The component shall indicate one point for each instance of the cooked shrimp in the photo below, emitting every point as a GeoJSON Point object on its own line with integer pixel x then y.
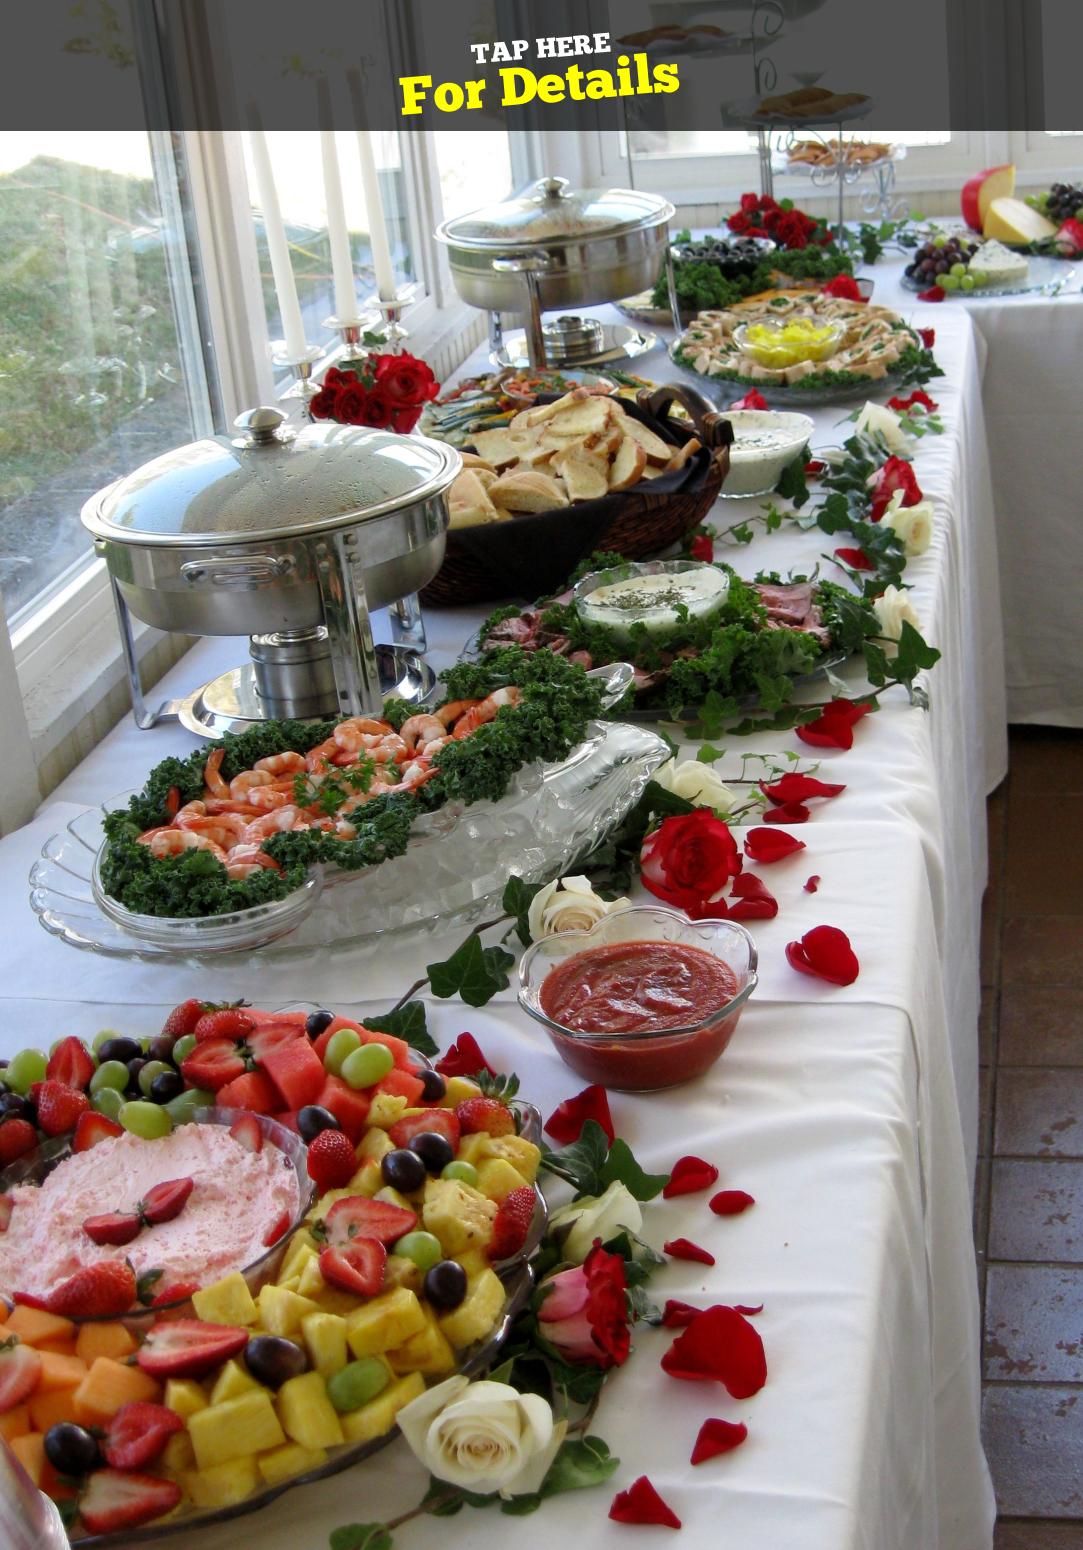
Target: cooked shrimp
{"type": "Point", "coordinates": [352, 732]}
{"type": "Point", "coordinates": [212, 777]}
{"type": "Point", "coordinates": [266, 798]}
{"type": "Point", "coordinates": [318, 759]}
{"type": "Point", "coordinates": [189, 810]}
{"type": "Point", "coordinates": [486, 710]}
{"type": "Point", "coordinates": [248, 780]}
{"type": "Point", "coordinates": [280, 763]}
{"type": "Point", "coordinates": [450, 712]}
{"type": "Point", "coordinates": [245, 859]}
{"type": "Point", "coordinates": [276, 822]}
{"type": "Point", "coordinates": [217, 805]}
{"type": "Point", "coordinates": [224, 829]}
{"type": "Point", "coordinates": [419, 730]}
{"type": "Point", "coordinates": [416, 773]}
{"type": "Point", "coordinates": [387, 748]}
{"type": "Point", "coordinates": [171, 842]}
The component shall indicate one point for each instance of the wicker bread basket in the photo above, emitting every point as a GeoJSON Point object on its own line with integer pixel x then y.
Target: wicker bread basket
{"type": "Point", "coordinates": [531, 555]}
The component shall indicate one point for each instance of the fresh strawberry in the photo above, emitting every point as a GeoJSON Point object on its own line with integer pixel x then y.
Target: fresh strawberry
{"type": "Point", "coordinates": [114, 1227]}
{"type": "Point", "coordinates": [442, 1121]}
{"type": "Point", "coordinates": [187, 1348]}
{"type": "Point", "coordinates": [512, 1223]}
{"type": "Point", "coordinates": [356, 1217]}
{"type": "Point", "coordinates": [20, 1367]}
{"type": "Point", "coordinates": [59, 1107]}
{"type": "Point", "coordinates": [357, 1267]}
{"type": "Point", "coordinates": [278, 1228]}
{"type": "Point", "coordinates": [92, 1128]}
{"type": "Point", "coordinates": [105, 1289]}
{"type": "Point", "coordinates": [165, 1201]}
{"type": "Point", "coordinates": [487, 1114]}
{"type": "Point", "coordinates": [213, 1064]}
{"type": "Point", "coordinates": [246, 1131]}
{"type": "Point", "coordinates": [182, 1019]}
{"type": "Point", "coordinates": [71, 1063]}
{"type": "Point", "coordinates": [7, 1206]}
{"type": "Point", "coordinates": [116, 1499]}
{"type": "Point", "coordinates": [16, 1137]}
{"type": "Point", "coordinates": [332, 1161]}
{"type": "Point", "coordinates": [176, 1292]}
{"type": "Point", "coordinates": [223, 1023]}
{"type": "Point", "coordinates": [137, 1433]}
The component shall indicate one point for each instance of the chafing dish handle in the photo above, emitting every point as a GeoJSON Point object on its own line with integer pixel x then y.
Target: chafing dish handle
{"type": "Point", "coordinates": [529, 266]}
{"type": "Point", "coordinates": [239, 571]}
{"type": "Point", "coordinates": [349, 629]}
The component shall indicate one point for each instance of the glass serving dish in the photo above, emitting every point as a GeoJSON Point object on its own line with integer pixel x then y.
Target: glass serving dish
{"type": "Point", "coordinates": [764, 442]}
{"type": "Point", "coordinates": [778, 342]}
{"type": "Point", "coordinates": [660, 617]}
{"type": "Point", "coordinates": [643, 1061]}
{"type": "Point", "coordinates": [723, 387]}
{"type": "Point", "coordinates": [1045, 276]}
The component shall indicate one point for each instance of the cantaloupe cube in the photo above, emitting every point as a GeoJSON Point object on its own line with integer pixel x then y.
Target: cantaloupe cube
{"type": "Point", "coordinates": [29, 1449]}
{"type": "Point", "coordinates": [385, 1322]}
{"type": "Point", "coordinates": [281, 1311]}
{"type": "Point", "coordinates": [477, 1313]}
{"type": "Point", "coordinates": [227, 1301]}
{"type": "Point", "coordinates": [184, 1396]}
{"type": "Point", "coordinates": [60, 1372]}
{"type": "Point", "coordinates": [428, 1351]}
{"type": "Point", "coordinates": [107, 1386]}
{"type": "Point", "coordinates": [236, 1427]}
{"type": "Point", "coordinates": [306, 1413]}
{"type": "Point", "coordinates": [46, 1409]}
{"type": "Point", "coordinates": [15, 1422]}
{"type": "Point", "coordinates": [378, 1416]}
{"type": "Point", "coordinates": [288, 1460]}
{"type": "Point", "coordinates": [222, 1484]}
{"type": "Point", "coordinates": [57, 1347]}
{"type": "Point", "coordinates": [232, 1379]}
{"type": "Point", "coordinates": [95, 1340]}
{"type": "Point", "coordinates": [33, 1325]}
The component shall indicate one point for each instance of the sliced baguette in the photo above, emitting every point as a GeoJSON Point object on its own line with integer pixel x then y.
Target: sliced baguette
{"type": "Point", "coordinates": [468, 501]}
{"type": "Point", "coordinates": [657, 450]}
{"type": "Point", "coordinates": [583, 479]}
{"type": "Point", "coordinates": [528, 491]}
{"type": "Point", "coordinates": [628, 465]}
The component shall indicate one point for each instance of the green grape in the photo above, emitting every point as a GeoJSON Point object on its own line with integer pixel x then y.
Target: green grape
{"type": "Point", "coordinates": [183, 1048]}
{"type": "Point", "coordinates": [108, 1101]}
{"type": "Point", "coordinates": [423, 1248]}
{"type": "Point", "coordinates": [339, 1045]}
{"type": "Point", "coordinates": [979, 276]}
{"type": "Point", "coordinates": [368, 1065]}
{"type": "Point", "coordinates": [940, 241]}
{"type": "Point", "coordinates": [24, 1069]}
{"type": "Point", "coordinates": [150, 1121]}
{"type": "Point", "coordinates": [148, 1072]}
{"type": "Point", "coordinates": [183, 1107]}
{"type": "Point", "coordinates": [100, 1038]}
{"type": "Point", "coordinates": [465, 1172]}
{"type": "Point", "coordinates": [958, 269]}
{"type": "Point", "coordinates": [111, 1073]}
{"type": "Point", "coordinates": [356, 1383]}
{"type": "Point", "coordinates": [950, 282]}
{"type": "Point", "coordinates": [967, 282]}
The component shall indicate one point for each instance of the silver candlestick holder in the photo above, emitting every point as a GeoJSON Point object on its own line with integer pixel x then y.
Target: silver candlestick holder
{"type": "Point", "coordinates": [390, 312]}
{"type": "Point", "coordinates": [351, 331]}
{"type": "Point", "coordinates": [304, 388]}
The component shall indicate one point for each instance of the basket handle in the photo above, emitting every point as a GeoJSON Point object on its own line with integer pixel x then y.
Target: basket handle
{"type": "Point", "coordinates": [712, 428]}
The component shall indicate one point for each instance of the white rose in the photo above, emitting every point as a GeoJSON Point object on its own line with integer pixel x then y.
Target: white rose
{"type": "Point", "coordinates": [696, 783]}
{"type": "Point", "coordinates": [602, 1216]}
{"type": "Point", "coordinates": [893, 610]}
{"type": "Point", "coordinates": [913, 524]}
{"type": "Point", "coordinates": [483, 1436]}
{"type": "Point", "coordinates": [878, 418]}
{"type": "Point", "coordinates": [568, 904]}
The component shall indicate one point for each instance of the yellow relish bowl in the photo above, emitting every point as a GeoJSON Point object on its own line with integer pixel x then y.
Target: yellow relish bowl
{"type": "Point", "coordinates": [779, 343]}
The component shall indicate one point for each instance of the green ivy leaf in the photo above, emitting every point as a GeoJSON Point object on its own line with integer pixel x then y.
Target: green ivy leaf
{"type": "Point", "coordinates": [517, 899]}
{"type": "Point", "coordinates": [472, 972]}
{"type": "Point", "coordinates": [582, 1162]}
{"type": "Point", "coordinates": [579, 1465]}
{"type": "Point", "coordinates": [622, 1165]}
{"type": "Point", "coordinates": [361, 1536]}
{"type": "Point", "coordinates": [792, 485]}
{"type": "Point", "coordinates": [709, 754]}
{"type": "Point", "coordinates": [407, 1022]}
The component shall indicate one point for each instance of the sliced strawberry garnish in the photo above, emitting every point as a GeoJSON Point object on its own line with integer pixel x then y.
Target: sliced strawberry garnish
{"type": "Point", "coordinates": [113, 1227]}
{"type": "Point", "coordinates": [59, 1107]}
{"type": "Point", "coordinates": [137, 1433]}
{"type": "Point", "coordinates": [332, 1161]}
{"type": "Point", "coordinates": [17, 1137]}
{"type": "Point", "coordinates": [223, 1023]}
{"type": "Point", "coordinates": [356, 1267]}
{"type": "Point", "coordinates": [165, 1201]}
{"type": "Point", "coordinates": [512, 1223]}
{"type": "Point", "coordinates": [20, 1368]}
{"type": "Point", "coordinates": [185, 1348]}
{"type": "Point", "coordinates": [442, 1121]}
{"type": "Point", "coordinates": [103, 1289]}
{"type": "Point", "coordinates": [92, 1128]}
{"type": "Point", "coordinates": [356, 1217]}
{"type": "Point", "coordinates": [176, 1292]}
{"type": "Point", "coordinates": [246, 1131]}
{"type": "Point", "coordinates": [182, 1019]}
{"type": "Point", "coordinates": [278, 1228]}
{"type": "Point", "coordinates": [7, 1206]}
{"type": "Point", "coordinates": [71, 1063]}
{"type": "Point", "coordinates": [213, 1064]}
{"type": "Point", "coordinates": [485, 1114]}
{"type": "Point", "coordinates": [115, 1499]}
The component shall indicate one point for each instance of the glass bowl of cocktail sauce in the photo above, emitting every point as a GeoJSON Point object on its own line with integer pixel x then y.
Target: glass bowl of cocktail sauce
{"type": "Point", "coordinates": [646, 998]}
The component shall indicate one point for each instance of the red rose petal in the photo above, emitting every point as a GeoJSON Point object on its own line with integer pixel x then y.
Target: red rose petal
{"type": "Point", "coordinates": [934, 293]}
{"type": "Point", "coordinates": [788, 812]}
{"type": "Point", "coordinates": [894, 474]}
{"type": "Point", "coordinates": [834, 727]}
{"type": "Point", "coordinates": [464, 1058]}
{"type": "Point", "coordinates": [641, 1503]}
{"type": "Point", "coordinates": [768, 845]}
{"type": "Point", "coordinates": [826, 954]}
{"type": "Point", "coordinates": [756, 902]}
{"type": "Point", "coordinates": [918, 396]}
{"type": "Point", "coordinates": [689, 1175]}
{"type": "Point", "coordinates": [716, 1437]}
{"type": "Point", "coordinates": [730, 1202]}
{"type": "Point", "coordinates": [566, 1122]}
{"type": "Point", "coordinates": [815, 467]}
{"type": "Point", "coordinates": [678, 1315]}
{"type": "Point", "coordinates": [684, 1248]}
{"type": "Point", "coordinates": [751, 400]}
{"type": "Point", "coordinates": [856, 559]}
{"type": "Point", "coordinates": [719, 1346]}
{"type": "Point", "coordinates": [812, 883]}
{"type": "Point", "coordinates": [741, 1307]}
{"type": "Point", "coordinates": [799, 788]}
{"type": "Point", "coordinates": [927, 336]}
{"type": "Point", "coordinates": [843, 285]}
{"type": "Point", "coordinates": [702, 548]}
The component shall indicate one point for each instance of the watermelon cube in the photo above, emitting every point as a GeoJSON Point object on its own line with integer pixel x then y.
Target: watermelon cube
{"type": "Point", "coordinates": [296, 1070]}
{"type": "Point", "coordinates": [268, 1019]}
{"type": "Point", "coordinates": [288, 1119]}
{"type": "Point", "coordinates": [253, 1091]}
{"type": "Point", "coordinates": [399, 1048]}
{"type": "Point", "coordinates": [402, 1084]}
{"type": "Point", "coordinates": [324, 1039]}
{"type": "Point", "coordinates": [350, 1107]}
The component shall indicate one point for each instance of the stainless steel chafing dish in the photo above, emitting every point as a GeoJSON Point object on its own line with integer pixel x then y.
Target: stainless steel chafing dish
{"type": "Point", "coordinates": [557, 247]}
{"type": "Point", "coordinates": [290, 534]}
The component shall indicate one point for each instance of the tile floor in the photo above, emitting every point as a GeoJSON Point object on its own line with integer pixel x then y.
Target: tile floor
{"type": "Point", "coordinates": [1028, 1216]}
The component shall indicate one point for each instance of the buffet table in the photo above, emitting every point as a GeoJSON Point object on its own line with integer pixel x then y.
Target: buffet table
{"type": "Point", "coordinates": [849, 1114]}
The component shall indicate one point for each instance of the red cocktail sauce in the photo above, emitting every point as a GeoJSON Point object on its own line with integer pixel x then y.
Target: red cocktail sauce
{"type": "Point", "coordinates": [638, 992]}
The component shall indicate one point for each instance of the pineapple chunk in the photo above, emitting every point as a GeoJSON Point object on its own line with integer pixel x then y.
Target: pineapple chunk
{"type": "Point", "coordinates": [474, 1148]}
{"type": "Point", "coordinates": [386, 1109]}
{"type": "Point", "coordinates": [368, 1178]}
{"type": "Point", "coordinates": [477, 1313]}
{"type": "Point", "coordinates": [324, 1335]}
{"type": "Point", "coordinates": [428, 1351]}
{"type": "Point", "coordinates": [290, 1283]}
{"type": "Point", "coordinates": [236, 1427]}
{"type": "Point", "coordinates": [375, 1143]}
{"type": "Point", "coordinates": [184, 1396]}
{"type": "Point", "coordinates": [523, 1155]}
{"type": "Point", "coordinates": [178, 1454]}
{"type": "Point", "coordinates": [232, 1379]}
{"type": "Point", "coordinates": [459, 1089]}
{"type": "Point", "coordinates": [385, 1322]}
{"type": "Point", "coordinates": [324, 1204]}
{"type": "Point", "coordinates": [306, 1413]}
{"type": "Point", "coordinates": [222, 1484]}
{"type": "Point", "coordinates": [227, 1301]}
{"type": "Point", "coordinates": [378, 1416]}
{"type": "Point", "coordinates": [497, 1178]}
{"type": "Point", "coordinates": [475, 1263]}
{"type": "Point", "coordinates": [334, 1300]}
{"type": "Point", "coordinates": [393, 1198]}
{"type": "Point", "coordinates": [289, 1459]}
{"type": "Point", "coordinates": [302, 1246]}
{"type": "Point", "coordinates": [281, 1311]}
{"type": "Point", "coordinates": [401, 1271]}
{"type": "Point", "coordinates": [310, 1283]}
{"type": "Point", "coordinates": [461, 1217]}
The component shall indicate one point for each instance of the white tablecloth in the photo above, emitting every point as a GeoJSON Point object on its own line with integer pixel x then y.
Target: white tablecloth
{"type": "Point", "coordinates": [839, 1110]}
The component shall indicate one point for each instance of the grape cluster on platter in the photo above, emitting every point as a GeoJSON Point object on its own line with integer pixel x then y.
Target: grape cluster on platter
{"type": "Point", "coordinates": [945, 261]}
{"type": "Point", "coordinates": [1062, 202]}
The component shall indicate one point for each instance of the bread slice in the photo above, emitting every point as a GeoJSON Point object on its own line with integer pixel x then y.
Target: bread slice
{"type": "Point", "coordinates": [682, 455]}
{"type": "Point", "coordinates": [471, 460]}
{"type": "Point", "coordinates": [657, 450]}
{"type": "Point", "coordinates": [628, 465]}
{"type": "Point", "coordinates": [583, 479]}
{"type": "Point", "coordinates": [528, 491]}
{"type": "Point", "coordinates": [500, 447]}
{"type": "Point", "coordinates": [468, 502]}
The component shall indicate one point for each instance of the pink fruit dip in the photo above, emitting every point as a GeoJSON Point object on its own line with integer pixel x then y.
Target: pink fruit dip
{"type": "Point", "coordinates": [237, 1198]}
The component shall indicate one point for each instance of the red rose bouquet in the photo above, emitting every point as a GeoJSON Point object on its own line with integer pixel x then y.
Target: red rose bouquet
{"type": "Point", "coordinates": [384, 391]}
{"type": "Point", "coordinates": [762, 216]}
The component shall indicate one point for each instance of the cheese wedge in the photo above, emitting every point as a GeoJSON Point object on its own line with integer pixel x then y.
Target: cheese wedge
{"type": "Point", "coordinates": [1010, 220]}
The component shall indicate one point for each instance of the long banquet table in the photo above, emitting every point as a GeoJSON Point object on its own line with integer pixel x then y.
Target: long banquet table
{"type": "Point", "coordinates": [850, 1115]}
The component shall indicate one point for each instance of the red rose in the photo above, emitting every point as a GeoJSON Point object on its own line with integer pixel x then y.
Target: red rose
{"type": "Point", "coordinates": [792, 230]}
{"type": "Point", "coordinates": [895, 474]}
{"type": "Point", "coordinates": [405, 381]}
{"type": "Point", "coordinates": [585, 1311]}
{"type": "Point", "coordinates": [928, 337]}
{"type": "Point", "coordinates": [322, 407]}
{"type": "Point", "coordinates": [739, 223]}
{"type": "Point", "coordinates": [767, 203]}
{"type": "Point", "coordinates": [750, 203]}
{"type": "Point", "coordinates": [464, 1058]}
{"type": "Point", "coordinates": [843, 285]}
{"type": "Point", "coordinates": [688, 860]}
{"type": "Point", "coordinates": [404, 420]}
{"type": "Point", "coordinates": [751, 400]}
{"type": "Point", "coordinates": [333, 377]}
{"type": "Point", "coordinates": [351, 405]}
{"type": "Point", "coordinates": [702, 548]}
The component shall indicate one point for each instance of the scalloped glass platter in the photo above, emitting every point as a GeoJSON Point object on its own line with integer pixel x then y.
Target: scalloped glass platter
{"type": "Point", "coordinates": [790, 395]}
{"type": "Point", "coordinates": [1046, 276]}
{"type": "Point", "coordinates": [454, 868]}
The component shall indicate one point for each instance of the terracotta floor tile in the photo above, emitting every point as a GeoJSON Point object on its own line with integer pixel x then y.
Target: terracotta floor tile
{"type": "Point", "coordinates": [1042, 950]}
{"type": "Point", "coordinates": [1036, 1211]}
{"type": "Point", "coordinates": [1034, 1440]}
{"type": "Point", "coordinates": [1042, 870]}
{"type": "Point", "coordinates": [1027, 1534]}
{"type": "Point", "coordinates": [1046, 759]}
{"type": "Point", "coordinates": [1039, 1026]}
{"type": "Point", "coordinates": [1033, 1323]}
{"type": "Point", "coordinates": [1039, 1113]}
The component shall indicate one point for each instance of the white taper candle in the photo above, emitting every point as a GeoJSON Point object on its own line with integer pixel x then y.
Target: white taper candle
{"type": "Point", "coordinates": [381, 252]}
{"type": "Point", "coordinates": [292, 327]}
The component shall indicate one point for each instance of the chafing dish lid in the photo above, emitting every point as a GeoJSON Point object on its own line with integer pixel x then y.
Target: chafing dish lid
{"type": "Point", "coordinates": [273, 480]}
{"type": "Point", "coordinates": [550, 211]}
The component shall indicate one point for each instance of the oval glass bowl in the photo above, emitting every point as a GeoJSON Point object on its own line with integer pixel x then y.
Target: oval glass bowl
{"type": "Point", "coordinates": [756, 470]}
{"type": "Point", "coordinates": [230, 933]}
{"type": "Point", "coordinates": [657, 620]}
{"type": "Point", "coordinates": [777, 343]}
{"type": "Point", "coordinates": [643, 1062]}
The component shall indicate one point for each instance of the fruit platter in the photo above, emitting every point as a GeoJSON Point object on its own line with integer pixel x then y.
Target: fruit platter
{"type": "Point", "coordinates": [211, 1296]}
{"type": "Point", "coordinates": [956, 264]}
{"type": "Point", "coordinates": [1049, 222]}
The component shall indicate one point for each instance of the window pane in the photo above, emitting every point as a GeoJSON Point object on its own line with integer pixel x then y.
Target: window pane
{"type": "Point", "coordinates": [474, 166]}
{"type": "Point", "coordinates": [91, 382]}
{"type": "Point", "coordinates": [298, 173]}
